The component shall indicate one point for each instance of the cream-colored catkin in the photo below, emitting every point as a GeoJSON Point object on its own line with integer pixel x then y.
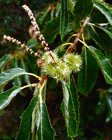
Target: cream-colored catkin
{"type": "Point", "coordinates": [35, 27]}
{"type": "Point", "coordinates": [23, 46]}
{"type": "Point", "coordinates": [31, 16]}
{"type": "Point", "coordinates": [36, 31]}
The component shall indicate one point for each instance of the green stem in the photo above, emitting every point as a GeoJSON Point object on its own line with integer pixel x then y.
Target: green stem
{"type": "Point", "coordinates": [83, 43]}
{"type": "Point", "coordinates": [31, 85]}
{"type": "Point", "coordinates": [38, 77]}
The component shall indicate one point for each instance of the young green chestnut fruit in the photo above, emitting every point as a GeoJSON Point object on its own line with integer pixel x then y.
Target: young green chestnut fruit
{"type": "Point", "coordinates": [74, 62]}
{"type": "Point", "coordinates": [60, 68]}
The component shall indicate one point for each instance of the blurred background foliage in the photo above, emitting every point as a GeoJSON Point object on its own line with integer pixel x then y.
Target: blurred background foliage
{"type": "Point", "coordinates": [96, 108]}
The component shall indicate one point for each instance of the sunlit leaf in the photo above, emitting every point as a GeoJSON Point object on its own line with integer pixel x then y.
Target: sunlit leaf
{"type": "Point", "coordinates": [44, 128]}
{"type": "Point", "coordinates": [105, 10]}
{"type": "Point", "coordinates": [10, 74]}
{"type": "Point", "coordinates": [7, 96]}
{"type": "Point", "coordinates": [70, 108]}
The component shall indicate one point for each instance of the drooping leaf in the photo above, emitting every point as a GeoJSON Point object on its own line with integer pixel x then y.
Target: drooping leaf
{"type": "Point", "coordinates": [70, 108]}
{"type": "Point", "coordinates": [63, 18]}
{"type": "Point", "coordinates": [10, 74]}
{"type": "Point", "coordinates": [25, 127]}
{"type": "Point", "coordinates": [4, 60]}
{"type": "Point", "coordinates": [7, 96]}
{"type": "Point", "coordinates": [83, 8]}
{"type": "Point", "coordinates": [44, 128]}
{"type": "Point", "coordinates": [105, 10]}
{"type": "Point", "coordinates": [88, 73]}
{"type": "Point", "coordinates": [103, 63]}
{"type": "Point", "coordinates": [103, 38]}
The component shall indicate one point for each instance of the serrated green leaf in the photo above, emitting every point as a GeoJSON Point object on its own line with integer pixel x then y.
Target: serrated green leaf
{"type": "Point", "coordinates": [10, 74]}
{"type": "Point", "coordinates": [103, 38]}
{"type": "Point", "coordinates": [44, 128]}
{"type": "Point", "coordinates": [88, 73]}
{"type": "Point", "coordinates": [105, 10]}
{"type": "Point", "coordinates": [45, 131]}
{"type": "Point", "coordinates": [63, 18]}
{"type": "Point", "coordinates": [25, 127]}
{"type": "Point", "coordinates": [74, 94]}
{"type": "Point", "coordinates": [83, 8]}
{"type": "Point", "coordinates": [4, 60]}
{"type": "Point", "coordinates": [103, 63]}
{"type": "Point", "coordinates": [70, 107]}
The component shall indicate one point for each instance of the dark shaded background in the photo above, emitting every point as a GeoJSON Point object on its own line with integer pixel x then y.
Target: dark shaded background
{"type": "Point", "coordinates": [94, 122]}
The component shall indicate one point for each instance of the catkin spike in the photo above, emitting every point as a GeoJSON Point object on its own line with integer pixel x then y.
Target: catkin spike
{"type": "Point", "coordinates": [23, 46]}
{"type": "Point", "coordinates": [31, 16]}
{"type": "Point", "coordinates": [35, 28]}
{"type": "Point", "coordinates": [36, 31]}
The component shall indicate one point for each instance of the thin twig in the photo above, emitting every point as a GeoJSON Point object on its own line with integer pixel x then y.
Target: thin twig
{"type": "Point", "coordinates": [71, 48]}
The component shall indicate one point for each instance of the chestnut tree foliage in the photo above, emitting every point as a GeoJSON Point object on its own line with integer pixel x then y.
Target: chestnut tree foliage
{"type": "Point", "coordinates": [68, 44]}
